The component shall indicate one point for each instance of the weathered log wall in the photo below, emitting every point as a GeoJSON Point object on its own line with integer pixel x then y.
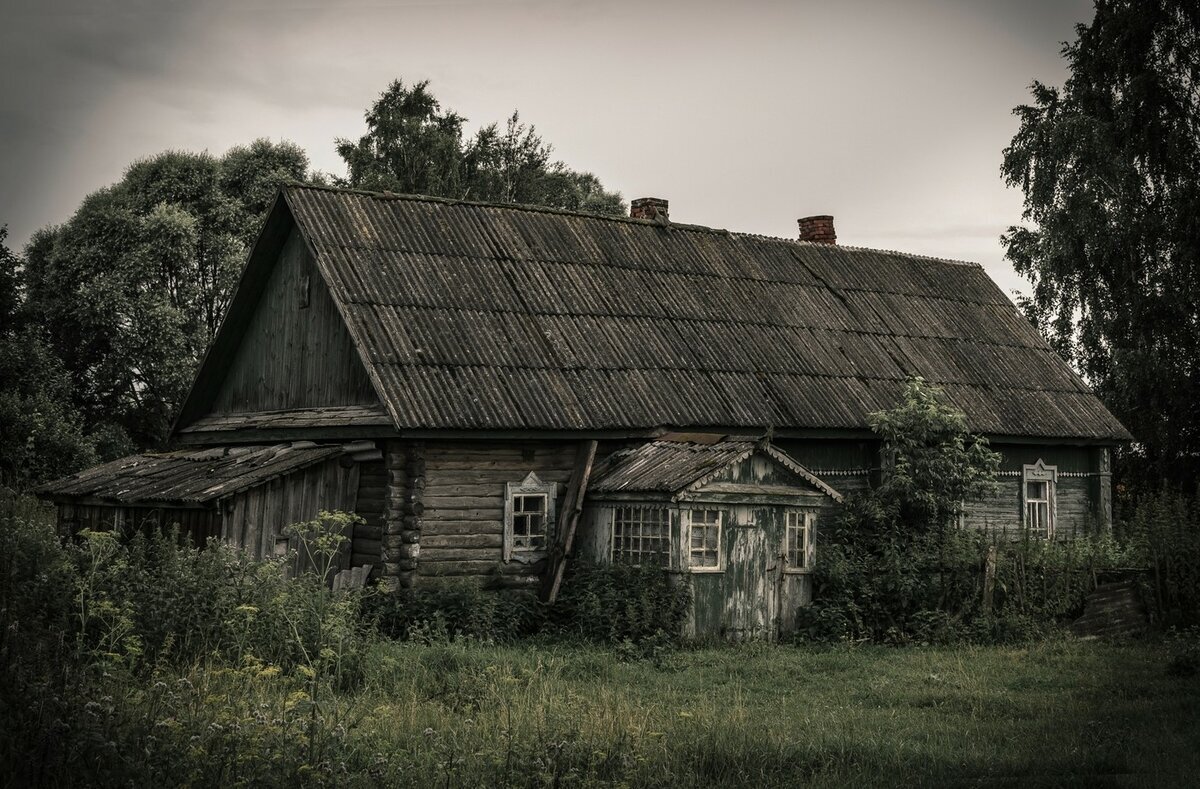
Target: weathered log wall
{"type": "Point", "coordinates": [445, 513]}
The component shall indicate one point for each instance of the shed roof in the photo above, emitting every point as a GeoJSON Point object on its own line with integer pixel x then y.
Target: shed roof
{"type": "Point", "coordinates": [677, 465]}
{"type": "Point", "coordinates": [472, 316]}
{"type": "Point", "coordinates": [187, 477]}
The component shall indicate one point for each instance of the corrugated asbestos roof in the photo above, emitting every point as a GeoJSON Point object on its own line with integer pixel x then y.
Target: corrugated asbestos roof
{"type": "Point", "coordinates": [191, 476]}
{"type": "Point", "coordinates": [677, 465]}
{"type": "Point", "coordinates": [473, 316]}
{"type": "Point", "coordinates": [665, 466]}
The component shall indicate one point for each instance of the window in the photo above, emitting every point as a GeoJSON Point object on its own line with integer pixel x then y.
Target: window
{"type": "Point", "coordinates": [798, 545]}
{"type": "Point", "coordinates": [705, 551]}
{"type": "Point", "coordinates": [1038, 492]}
{"type": "Point", "coordinates": [641, 535]}
{"type": "Point", "coordinates": [528, 519]}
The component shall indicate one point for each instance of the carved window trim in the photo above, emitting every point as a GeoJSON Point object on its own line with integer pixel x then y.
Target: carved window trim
{"type": "Point", "coordinates": [1039, 499]}
{"type": "Point", "coordinates": [516, 547]}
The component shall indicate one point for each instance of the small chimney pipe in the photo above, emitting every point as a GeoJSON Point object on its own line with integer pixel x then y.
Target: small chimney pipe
{"type": "Point", "coordinates": [648, 208]}
{"type": "Point", "coordinates": [818, 229]}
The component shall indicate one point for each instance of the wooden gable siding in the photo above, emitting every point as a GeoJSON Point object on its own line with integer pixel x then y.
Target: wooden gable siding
{"type": "Point", "coordinates": [292, 356]}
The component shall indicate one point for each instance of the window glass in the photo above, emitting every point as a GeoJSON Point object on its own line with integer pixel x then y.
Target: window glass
{"type": "Point", "coordinates": [641, 535]}
{"type": "Point", "coordinates": [1039, 500]}
{"type": "Point", "coordinates": [706, 538]}
{"type": "Point", "coordinates": [529, 521]}
{"type": "Point", "coordinates": [799, 546]}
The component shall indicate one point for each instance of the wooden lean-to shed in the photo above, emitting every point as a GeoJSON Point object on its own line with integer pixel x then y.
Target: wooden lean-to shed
{"type": "Point", "coordinates": [498, 357]}
{"type": "Point", "coordinates": [733, 515]}
{"type": "Point", "coordinates": [246, 495]}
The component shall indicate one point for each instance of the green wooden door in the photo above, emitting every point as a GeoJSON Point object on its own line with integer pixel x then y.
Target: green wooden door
{"type": "Point", "coordinates": [742, 602]}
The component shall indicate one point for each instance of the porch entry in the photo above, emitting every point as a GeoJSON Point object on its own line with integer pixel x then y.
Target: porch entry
{"type": "Point", "coordinates": [753, 594]}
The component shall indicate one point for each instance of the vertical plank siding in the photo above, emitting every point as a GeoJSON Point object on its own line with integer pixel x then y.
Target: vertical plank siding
{"type": "Point", "coordinates": [294, 356]}
{"type": "Point", "coordinates": [255, 519]}
{"type": "Point", "coordinates": [197, 525]}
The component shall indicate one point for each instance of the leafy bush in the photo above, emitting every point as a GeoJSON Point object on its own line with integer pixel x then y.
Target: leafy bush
{"type": "Point", "coordinates": [618, 603]}
{"type": "Point", "coordinates": [456, 609]}
{"type": "Point", "coordinates": [1163, 534]}
{"type": "Point", "coordinates": [895, 567]}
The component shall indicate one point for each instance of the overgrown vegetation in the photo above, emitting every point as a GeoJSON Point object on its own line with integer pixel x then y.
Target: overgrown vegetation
{"type": "Point", "coordinates": [152, 664]}
{"type": "Point", "coordinates": [895, 568]}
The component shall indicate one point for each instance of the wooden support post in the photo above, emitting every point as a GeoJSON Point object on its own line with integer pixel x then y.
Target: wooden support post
{"type": "Point", "coordinates": [568, 520]}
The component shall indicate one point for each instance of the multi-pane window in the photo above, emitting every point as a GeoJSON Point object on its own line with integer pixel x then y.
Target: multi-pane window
{"type": "Point", "coordinates": [1039, 480]}
{"type": "Point", "coordinates": [798, 545]}
{"type": "Point", "coordinates": [706, 539]}
{"type": "Point", "coordinates": [1037, 508]}
{"type": "Point", "coordinates": [641, 535]}
{"type": "Point", "coordinates": [529, 521]}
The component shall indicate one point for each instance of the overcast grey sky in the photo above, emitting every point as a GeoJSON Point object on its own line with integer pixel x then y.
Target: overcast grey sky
{"type": "Point", "coordinates": [745, 115]}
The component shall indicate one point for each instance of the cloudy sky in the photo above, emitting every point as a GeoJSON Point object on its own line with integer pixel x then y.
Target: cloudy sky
{"type": "Point", "coordinates": [745, 115]}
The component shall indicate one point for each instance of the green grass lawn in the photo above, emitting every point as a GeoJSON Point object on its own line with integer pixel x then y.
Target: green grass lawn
{"type": "Point", "coordinates": [1059, 713]}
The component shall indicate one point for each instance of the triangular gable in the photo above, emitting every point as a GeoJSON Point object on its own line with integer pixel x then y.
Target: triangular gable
{"type": "Point", "coordinates": [284, 345]}
{"type": "Point", "coordinates": [760, 469]}
{"type": "Point", "coordinates": [678, 469]}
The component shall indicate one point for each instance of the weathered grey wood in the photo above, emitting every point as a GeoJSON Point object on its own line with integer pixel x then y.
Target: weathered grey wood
{"type": "Point", "coordinates": [568, 520]}
{"type": "Point", "coordinates": [292, 356]}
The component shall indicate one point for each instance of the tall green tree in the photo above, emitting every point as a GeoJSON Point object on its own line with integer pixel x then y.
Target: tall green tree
{"type": "Point", "coordinates": [1110, 168]}
{"type": "Point", "coordinates": [131, 289]}
{"type": "Point", "coordinates": [41, 435]}
{"type": "Point", "coordinates": [414, 146]}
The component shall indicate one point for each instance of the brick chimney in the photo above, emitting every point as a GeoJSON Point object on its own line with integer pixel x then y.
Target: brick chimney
{"type": "Point", "coordinates": [818, 229]}
{"type": "Point", "coordinates": [648, 208]}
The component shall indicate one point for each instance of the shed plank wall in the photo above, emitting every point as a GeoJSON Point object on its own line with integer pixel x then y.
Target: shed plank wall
{"type": "Point", "coordinates": [292, 356]}
{"type": "Point", "coordinates": [254, 520]}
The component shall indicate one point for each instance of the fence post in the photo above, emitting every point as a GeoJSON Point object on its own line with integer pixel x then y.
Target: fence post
{"type": "Point", "coordinates": [989, 578]}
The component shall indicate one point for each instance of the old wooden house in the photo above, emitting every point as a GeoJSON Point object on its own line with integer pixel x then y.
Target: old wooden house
{"type": "Point", "coordinates": [490, 386]}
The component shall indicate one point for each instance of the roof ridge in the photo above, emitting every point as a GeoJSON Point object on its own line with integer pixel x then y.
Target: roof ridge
{"type": "Point", "coordinates": [686, 226]}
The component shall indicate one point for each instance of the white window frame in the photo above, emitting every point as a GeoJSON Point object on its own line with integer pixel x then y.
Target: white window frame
{"type": "Point", "coordinates": [807, 527]}
{"type": "Point", "coordinates": [530, 486]}
{"type": "Point", "coordinates": [643, 509]}
{"type": "Point", "coordinates": [1041, 473]}
{"type": "Point", "coordinates": [687, 548]}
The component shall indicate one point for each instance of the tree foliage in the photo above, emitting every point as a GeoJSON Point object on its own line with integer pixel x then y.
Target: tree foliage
{"type": "Point", "coordinates": [131, 289]}
{"type": "Point", "coordinates": [1110, 168]}
{"type": "Point", "coordinates": [893, 562]}
{"type": "Point", "coordinates": [41, 435]}
{"type": "Point", "coordinates": [414, 146]}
